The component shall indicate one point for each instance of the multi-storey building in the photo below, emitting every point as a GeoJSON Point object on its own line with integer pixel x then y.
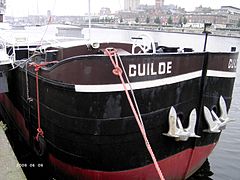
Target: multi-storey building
{"type": "Point", "coordinates": [2, 9]}
{"type": "Point", "coordinates": [203, 18]}
{"type": "Point", "coordinates": [131, 5]}
{"type": "Point", "coordinates": [232, 13]}
{"type": "Point", "coordinates": [227, 15]}
{"type": "Point", "coordinates": [105, 11]}
{"type": "Point", "coordinates": [231, 9]}
{"type": "Point", "coordinates": [159, 4]}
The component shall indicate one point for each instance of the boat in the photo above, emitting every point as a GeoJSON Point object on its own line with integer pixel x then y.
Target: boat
{"type": "Point", "coordinates": [120, 110]}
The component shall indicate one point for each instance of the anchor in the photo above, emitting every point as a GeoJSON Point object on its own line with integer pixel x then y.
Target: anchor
{"type": "Point", "coordinates": [223, 110]}
{"type": "Point", "coordinates": [176, 129]}
{"type": "Point", "coordinates": [183, 134]}
{"type": "Point", "coordinates": [192, 124]}
{"type": "Point", "coordinates": [173, 130]}
{"type": "Point", "coordinates": [215, 123]}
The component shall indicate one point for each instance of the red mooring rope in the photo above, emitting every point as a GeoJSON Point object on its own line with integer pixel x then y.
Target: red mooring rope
{"type": "Point", "coordinates": [118, 72]}
{"type": "Point", "coordinates": [36, 68]}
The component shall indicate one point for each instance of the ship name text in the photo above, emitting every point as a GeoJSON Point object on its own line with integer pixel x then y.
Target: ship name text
{"type": "Point", "coordinates": [232, 64]}
{"type": "Point", "coordinates": [149, 69]}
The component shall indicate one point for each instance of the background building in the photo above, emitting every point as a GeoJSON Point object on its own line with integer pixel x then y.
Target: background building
{"type": "Point", "coordinates": [105, 11]}
{"type": "Point", "coordinates": [131, 5]}
{"type": "Point", "coordinates": [2, 9]}
{"type": "Point", "coordinates": [159, 4]}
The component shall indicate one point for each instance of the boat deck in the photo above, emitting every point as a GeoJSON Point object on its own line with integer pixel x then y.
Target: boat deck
{"type": "Point", "coordinates": [9, 166]}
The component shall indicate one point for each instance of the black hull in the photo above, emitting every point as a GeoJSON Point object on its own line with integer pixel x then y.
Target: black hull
{"type": "Point", "coordinates": [97, 131]}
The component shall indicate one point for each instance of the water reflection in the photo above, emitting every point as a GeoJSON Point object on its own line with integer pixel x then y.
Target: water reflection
{"type": "Point", "coordinates": [204, 173]}
{"type": "Point", "coordinates": [33, 167]}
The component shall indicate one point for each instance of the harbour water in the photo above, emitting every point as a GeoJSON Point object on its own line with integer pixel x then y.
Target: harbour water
{"type": "Point", "coordinates": [225, 159]}
{"type": "Point", "coordinates": [224, 162]}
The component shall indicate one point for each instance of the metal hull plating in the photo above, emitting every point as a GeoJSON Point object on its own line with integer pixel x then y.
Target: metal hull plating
{"type": "Point", "coordinates": [88, 125]}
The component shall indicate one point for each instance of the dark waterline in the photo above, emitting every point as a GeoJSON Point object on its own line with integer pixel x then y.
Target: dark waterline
{"type": "Point", "coordinates": [35, 168]}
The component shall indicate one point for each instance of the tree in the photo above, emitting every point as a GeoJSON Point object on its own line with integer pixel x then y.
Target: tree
{"type": "Point", "coordinates": [157, 20]}
{"type": "Point", "coordinates": [238, 24]}
{"type": "Point", "coordinates": [170, 21]}
{"type": "Point", "coordinates": [180, 22]}
{"type": "Point", "coordinates": [184, 20]}
{"type": "Point", "coordinates": [121, 19]}
{"type": "Point", "coordinates": [147, 20]}
{"type": "Point", "coordinates": [137, 20]}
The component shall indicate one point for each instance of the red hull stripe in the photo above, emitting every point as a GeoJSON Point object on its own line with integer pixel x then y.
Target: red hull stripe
{"type": "Point", "coordinates": [16, 115]}
{"type": "Point", "coordinates": [173, 167]}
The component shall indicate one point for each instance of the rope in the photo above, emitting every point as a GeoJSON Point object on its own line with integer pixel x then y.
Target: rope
{"type": "Point", "coordinates": [37, 68]}
{"type": "Point", "coordinates": [118, 72]}
{"type": "Point", "coordinates": [27, 85]}
{"type": "Point", "coordinates": [131, 89]}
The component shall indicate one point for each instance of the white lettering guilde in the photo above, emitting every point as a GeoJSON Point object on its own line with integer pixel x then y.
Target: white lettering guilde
{"type": "Point", "coordinates": [232, 64]}
{"type": "Point", "coordinates": [169, 67]}
{"type": "Point", "coordinates": [149, 69]}
{"type": "Point", "coordinates": [141, 70]}
{"type": "Point", "coordinates": [132, 70]}
{"type": "Point", "coordinates": [152, 70]}
{"type": "Point", "coordinates": [162, 68]}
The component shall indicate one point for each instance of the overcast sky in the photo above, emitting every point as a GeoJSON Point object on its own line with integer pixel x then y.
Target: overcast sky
{"type": "Point", "coordinates": [80, 7]}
